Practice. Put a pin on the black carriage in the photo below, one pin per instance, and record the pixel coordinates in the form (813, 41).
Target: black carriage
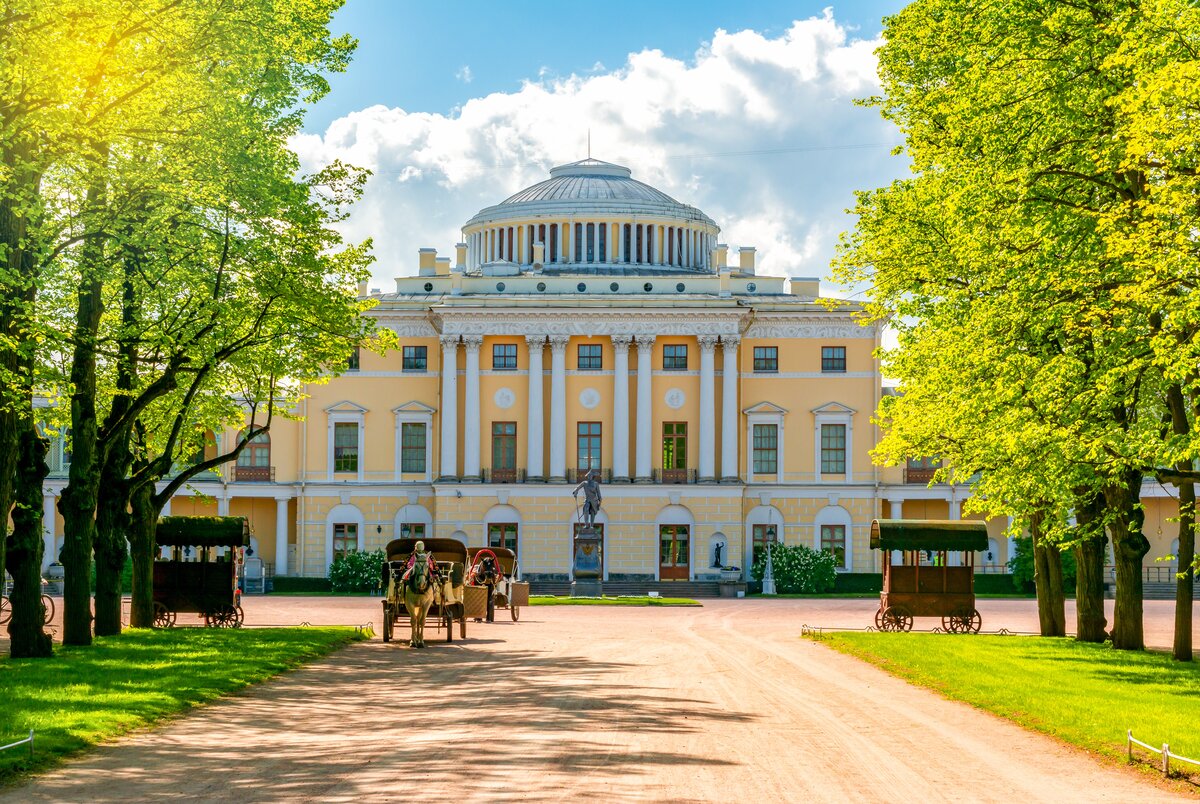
(201, 573)
(449, 605)
(507, 591)
(934, 589)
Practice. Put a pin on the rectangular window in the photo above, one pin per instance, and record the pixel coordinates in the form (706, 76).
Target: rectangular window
(760, 535)
(345, 446)
(504, 356)
(416, 358)
(504, 446)
(674, 446)
(591, 357)
(352, 362)
(412, 447)
(766, 359)
(675, 357)
(345, 538)
(833, 540)
(833, 358)
(503, 534)
(588, 446)
(833, 449)
(414, 530)
(766, 449)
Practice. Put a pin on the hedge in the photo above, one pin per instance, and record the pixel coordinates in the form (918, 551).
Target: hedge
(284, 584)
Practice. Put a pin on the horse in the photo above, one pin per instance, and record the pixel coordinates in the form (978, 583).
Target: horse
(486, 571)
(419, 592)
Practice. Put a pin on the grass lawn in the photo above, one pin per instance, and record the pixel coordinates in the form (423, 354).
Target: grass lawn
(83, 696)
(1085, 694)
(622, 600)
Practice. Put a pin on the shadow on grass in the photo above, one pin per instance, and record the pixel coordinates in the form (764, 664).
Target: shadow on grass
(452, 717)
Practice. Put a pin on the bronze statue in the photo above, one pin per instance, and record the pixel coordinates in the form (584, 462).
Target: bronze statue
(591, 498)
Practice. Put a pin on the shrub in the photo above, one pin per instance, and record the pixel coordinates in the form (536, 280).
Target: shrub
(1022, 567)
(356, 572)
(798, 569)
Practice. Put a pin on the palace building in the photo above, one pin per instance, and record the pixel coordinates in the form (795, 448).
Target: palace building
(589, 322)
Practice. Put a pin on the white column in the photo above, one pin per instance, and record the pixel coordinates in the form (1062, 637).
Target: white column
(955, 506)
(49, 554)
(281, 533)
(645, 344)
(536, 423)
(562, 242)
(222, 506)
(896, 510)
(558, 408)
(620, 433)
(471, 448)
(642, 231)
(729, 410)
(708, 411)
(687, 247)
(449, 412)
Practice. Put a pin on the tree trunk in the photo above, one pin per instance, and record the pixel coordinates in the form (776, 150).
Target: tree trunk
(1129, 547)
(112, 524)
(142, 525)
(26, 628)
(1090, 622)
(1047, 576)
(1183, 584)
(78, 503)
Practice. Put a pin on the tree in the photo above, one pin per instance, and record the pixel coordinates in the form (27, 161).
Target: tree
(1031, 238)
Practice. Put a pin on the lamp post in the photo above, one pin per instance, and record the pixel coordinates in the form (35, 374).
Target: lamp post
(768, 574)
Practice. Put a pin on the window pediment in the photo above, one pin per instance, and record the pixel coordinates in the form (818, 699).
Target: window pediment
(834, 409)
(765, 409)
(346, 406)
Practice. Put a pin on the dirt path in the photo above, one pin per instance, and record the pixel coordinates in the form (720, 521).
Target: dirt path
(720, 703)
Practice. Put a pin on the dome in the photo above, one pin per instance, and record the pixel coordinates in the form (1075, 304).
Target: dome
(590, 217)
(585, 187)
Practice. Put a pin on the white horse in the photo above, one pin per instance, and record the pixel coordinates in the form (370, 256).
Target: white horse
(420, 589)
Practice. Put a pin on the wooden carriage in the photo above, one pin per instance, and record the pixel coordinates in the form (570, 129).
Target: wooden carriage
(448, 608)
(201, 575)
(934, 589)
(510, 593)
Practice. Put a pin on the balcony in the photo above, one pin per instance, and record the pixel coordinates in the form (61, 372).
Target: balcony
(674, 476)
(253, 474)
(922, 474)
(578, 475)
(502, 475)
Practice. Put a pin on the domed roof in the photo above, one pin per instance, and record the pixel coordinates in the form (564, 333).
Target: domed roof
(589, 186)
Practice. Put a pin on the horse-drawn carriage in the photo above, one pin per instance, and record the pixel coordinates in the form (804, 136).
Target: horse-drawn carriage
(495, 569)
(201, 575)
(935, 589)
(421, 593)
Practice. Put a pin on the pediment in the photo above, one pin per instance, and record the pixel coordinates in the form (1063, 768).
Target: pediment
(767, 408)
(346, 406)
(835, 408)
(413, 406)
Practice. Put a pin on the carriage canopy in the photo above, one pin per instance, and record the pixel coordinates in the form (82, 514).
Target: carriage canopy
(918, 534)
(202, 531)
(451, 550)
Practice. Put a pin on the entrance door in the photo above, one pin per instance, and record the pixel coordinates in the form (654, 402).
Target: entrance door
(674, 551)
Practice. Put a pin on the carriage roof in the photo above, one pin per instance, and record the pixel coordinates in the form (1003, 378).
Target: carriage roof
(202, 531)
(442, 549)
(919, 534)
(506, 557)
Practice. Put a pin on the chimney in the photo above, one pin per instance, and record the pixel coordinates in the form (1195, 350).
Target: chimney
(460, 257)
(720, 257)
(427, 261)
(362, 288)
(442, 266)
(539, 255)
(746, 259)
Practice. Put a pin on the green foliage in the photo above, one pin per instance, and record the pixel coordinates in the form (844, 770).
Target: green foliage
(1021, 565)
(356, 572)
(1050, 685)
(854, 582)
(92, 704)
(798, 569)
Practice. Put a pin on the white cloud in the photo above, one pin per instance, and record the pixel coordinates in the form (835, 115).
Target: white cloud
(464, 74)
(790, 147)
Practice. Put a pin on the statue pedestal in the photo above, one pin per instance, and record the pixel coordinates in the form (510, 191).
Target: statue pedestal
(587, 571)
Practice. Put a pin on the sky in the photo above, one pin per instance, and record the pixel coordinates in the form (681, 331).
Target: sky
(745, 110)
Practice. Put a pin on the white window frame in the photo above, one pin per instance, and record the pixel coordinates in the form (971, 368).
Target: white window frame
(833, 413)
(765, 413)
(346, 412)
(414, 413)
(833, 514)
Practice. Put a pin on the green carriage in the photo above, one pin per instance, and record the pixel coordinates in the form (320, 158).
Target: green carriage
(200, 574)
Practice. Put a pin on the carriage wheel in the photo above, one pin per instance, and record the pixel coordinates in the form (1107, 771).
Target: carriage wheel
(47, 609)
(515, 611)
(163, 617)
(896, 618)
(238, 617)
(5, 609)
(879, 619)
(963, 621)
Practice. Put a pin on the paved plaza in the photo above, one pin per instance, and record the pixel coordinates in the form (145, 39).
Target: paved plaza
(718, 703)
